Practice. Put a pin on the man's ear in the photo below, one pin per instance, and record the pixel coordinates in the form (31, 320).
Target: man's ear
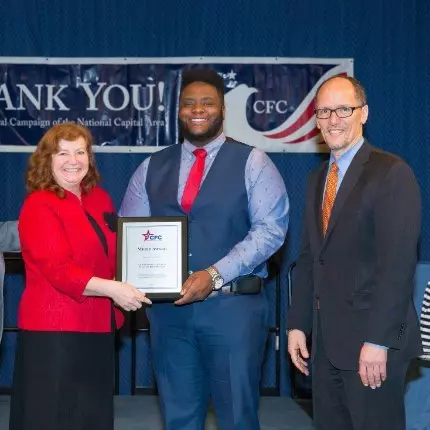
(364, 114)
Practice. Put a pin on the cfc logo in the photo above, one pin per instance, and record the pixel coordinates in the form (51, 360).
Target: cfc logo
(151, 236)
(268, 106)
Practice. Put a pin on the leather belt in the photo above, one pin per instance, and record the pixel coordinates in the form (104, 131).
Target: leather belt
(244, 285)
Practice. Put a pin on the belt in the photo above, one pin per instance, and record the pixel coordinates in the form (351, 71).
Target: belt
(244, 285)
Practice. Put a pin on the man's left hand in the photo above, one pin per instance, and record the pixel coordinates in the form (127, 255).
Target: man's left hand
(196, 288)
(373, 366)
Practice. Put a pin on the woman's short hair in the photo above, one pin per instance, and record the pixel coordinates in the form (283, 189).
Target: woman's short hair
(39, 172)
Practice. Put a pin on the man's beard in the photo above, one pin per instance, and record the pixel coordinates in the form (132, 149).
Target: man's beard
(212, 132)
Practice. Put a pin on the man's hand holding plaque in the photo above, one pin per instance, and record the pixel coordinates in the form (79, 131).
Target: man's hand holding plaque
(196, 288)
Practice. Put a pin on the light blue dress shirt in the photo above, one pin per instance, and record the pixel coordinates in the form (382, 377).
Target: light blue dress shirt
(268, 206)
(343, 162)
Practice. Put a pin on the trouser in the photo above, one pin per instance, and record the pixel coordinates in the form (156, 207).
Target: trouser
(209, 350)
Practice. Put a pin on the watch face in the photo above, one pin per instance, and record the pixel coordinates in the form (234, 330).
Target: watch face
(218, 282)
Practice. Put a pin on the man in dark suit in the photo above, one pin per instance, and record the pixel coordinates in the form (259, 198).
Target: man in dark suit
(354, 276)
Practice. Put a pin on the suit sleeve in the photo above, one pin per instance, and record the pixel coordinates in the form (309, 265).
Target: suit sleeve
(45, 246)
(9, 239)
(397, 219)
(301, 311)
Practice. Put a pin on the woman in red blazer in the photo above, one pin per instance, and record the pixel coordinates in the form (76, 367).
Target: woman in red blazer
(65, 349)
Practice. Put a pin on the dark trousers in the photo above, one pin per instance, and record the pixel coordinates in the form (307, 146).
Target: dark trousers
(63, 381)
(210, 350)
(342, 402)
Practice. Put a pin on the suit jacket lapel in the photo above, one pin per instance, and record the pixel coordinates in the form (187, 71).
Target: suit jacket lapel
(348, 183)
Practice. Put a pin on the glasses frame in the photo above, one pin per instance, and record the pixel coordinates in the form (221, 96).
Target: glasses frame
(353, 108)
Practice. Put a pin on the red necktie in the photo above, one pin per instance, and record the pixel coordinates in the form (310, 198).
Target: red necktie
(194, 180)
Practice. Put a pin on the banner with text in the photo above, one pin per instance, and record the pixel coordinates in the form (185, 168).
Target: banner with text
(131, 105)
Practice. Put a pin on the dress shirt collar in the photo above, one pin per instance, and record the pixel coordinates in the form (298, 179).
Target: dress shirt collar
(211, 148)
(345, 159)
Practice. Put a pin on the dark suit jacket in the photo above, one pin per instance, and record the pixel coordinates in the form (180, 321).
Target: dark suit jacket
(362, 271)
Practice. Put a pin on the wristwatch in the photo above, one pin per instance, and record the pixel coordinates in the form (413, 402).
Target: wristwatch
(217, 281)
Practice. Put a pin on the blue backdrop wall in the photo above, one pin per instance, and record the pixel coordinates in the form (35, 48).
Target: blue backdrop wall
(388, 40)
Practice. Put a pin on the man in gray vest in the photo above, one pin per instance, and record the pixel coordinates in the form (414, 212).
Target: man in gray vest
(9, 241)
(210, 343)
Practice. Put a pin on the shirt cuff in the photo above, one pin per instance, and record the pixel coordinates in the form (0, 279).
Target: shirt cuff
(378, 346)
(226, 270)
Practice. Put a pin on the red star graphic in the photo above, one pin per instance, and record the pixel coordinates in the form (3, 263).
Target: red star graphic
(146, 235)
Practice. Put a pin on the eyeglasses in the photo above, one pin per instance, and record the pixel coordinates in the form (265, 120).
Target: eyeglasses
(341, 112)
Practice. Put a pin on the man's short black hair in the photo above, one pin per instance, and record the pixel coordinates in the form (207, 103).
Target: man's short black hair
(205, 75)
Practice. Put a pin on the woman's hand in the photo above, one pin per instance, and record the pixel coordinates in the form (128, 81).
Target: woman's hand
(128, 297)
